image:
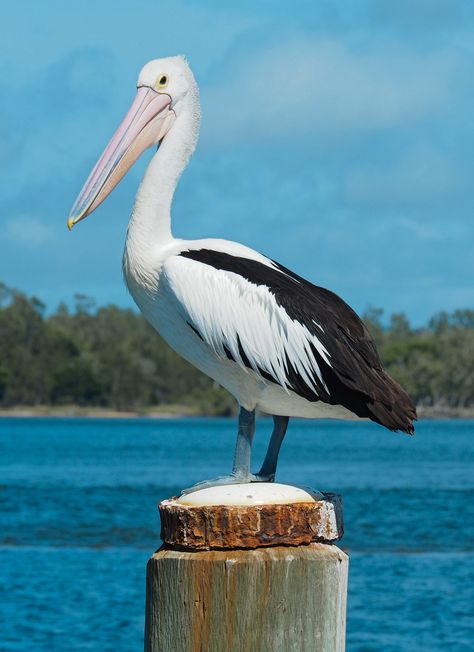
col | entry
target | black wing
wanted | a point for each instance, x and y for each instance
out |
(354, 376)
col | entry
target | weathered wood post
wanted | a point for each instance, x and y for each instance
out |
(248, 576)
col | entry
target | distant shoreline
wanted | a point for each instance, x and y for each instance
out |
(21, 412)
(445, 413)
(176, 412)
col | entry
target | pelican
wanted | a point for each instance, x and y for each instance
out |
(278, 343)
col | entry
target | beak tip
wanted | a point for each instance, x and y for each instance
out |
(70, 223)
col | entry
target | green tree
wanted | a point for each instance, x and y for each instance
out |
(112, 357)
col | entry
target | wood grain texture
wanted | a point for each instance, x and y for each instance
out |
(275, 599)
(255, 526)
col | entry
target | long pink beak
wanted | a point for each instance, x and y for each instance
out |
(146, 123)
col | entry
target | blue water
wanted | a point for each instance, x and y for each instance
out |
(79, 521)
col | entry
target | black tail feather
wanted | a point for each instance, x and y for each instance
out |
(385, 402)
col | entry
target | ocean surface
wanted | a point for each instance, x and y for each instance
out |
(78, 521)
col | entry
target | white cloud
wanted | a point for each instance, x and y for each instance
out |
(326, 87)
(28, 231)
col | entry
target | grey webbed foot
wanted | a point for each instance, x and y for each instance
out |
(223, 480)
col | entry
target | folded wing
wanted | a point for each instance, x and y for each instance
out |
(288, 331)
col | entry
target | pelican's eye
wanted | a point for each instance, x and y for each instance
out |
(161, 82)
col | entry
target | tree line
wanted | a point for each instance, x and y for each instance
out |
(110, 357)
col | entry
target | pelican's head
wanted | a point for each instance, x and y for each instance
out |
(165, 88)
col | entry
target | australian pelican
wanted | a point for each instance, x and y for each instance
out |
(277, 342)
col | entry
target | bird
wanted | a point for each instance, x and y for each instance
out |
(278, 343)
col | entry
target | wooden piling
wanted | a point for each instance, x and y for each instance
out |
(255, 597)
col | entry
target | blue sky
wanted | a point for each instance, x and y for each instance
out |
(337, 138)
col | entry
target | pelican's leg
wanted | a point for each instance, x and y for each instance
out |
(268, 470)
(243, 448)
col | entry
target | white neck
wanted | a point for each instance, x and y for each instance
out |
(150, 224)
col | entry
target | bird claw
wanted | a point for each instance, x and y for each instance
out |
(264, 477)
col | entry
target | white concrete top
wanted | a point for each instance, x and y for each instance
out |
(253, 493)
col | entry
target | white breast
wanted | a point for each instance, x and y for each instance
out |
(158, 303)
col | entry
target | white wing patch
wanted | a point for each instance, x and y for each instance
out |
(228, 310)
